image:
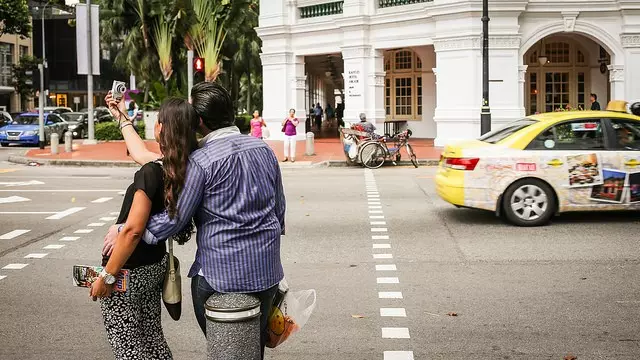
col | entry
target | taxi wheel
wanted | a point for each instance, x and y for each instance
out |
(529, 202)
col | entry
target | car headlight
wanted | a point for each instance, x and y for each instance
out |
(29, 133)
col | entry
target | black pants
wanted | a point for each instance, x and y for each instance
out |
(319, 121)
(201, 290)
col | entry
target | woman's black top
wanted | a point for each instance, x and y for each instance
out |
(150, 179)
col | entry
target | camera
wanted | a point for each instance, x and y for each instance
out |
(118, 89)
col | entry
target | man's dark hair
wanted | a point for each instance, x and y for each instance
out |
(213, 105)
(595, 97)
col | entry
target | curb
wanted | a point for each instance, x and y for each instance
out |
(54, 162)
(130, 164)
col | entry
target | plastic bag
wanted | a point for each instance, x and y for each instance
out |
(265, 133)
(290, 312)
(353, 151)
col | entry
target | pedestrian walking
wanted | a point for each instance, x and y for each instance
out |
(595, 105)
(257, 123)
(132, 319)
(289, 125)
(233, 186)
(318, 114)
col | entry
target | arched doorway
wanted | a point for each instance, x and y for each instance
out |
(562, 72)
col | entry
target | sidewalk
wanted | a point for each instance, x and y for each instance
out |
(114, 153)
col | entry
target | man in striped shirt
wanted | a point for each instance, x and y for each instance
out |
(233, 190)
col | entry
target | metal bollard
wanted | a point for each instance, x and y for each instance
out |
(55, 142)
(68, 141)
(233, 327)
(309, 148)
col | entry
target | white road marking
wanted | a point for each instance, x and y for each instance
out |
(382, 246)
(21, 183)
(13, 199)
(2, 277)
(35, 256)
(374, 203)
(28, 212)
(114, 213)
(388, 280)
(378, 229)
(375, 211)
(378, 223)
(95, 224)
(376, 216)
(101, 200)
(122, 192)
(371, 196)
(382, 256)
(389, 295)
(15, 266)
(393, 312)
(379, 237)
(13, 234)
(110, 218)
(65, 213)
(395, 333)
(386, 267)
(54, 247)
(375, 207)
(70, 238)
(83, 231)
(398, 355)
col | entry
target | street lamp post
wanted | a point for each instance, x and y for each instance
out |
(42, 97)
(485, 114)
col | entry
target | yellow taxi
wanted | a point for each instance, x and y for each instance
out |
(547, 164)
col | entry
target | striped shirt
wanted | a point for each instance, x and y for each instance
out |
(233, 190)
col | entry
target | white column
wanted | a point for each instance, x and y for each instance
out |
(299, 84)
(631, 45)
(522, 82)
(506, 88)
(426, 126)
(375, 99)
(356, 78)
(616, 79)
(274, 12)
(278, 74)
(458, 88)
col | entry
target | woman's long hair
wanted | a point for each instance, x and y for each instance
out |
(177, 141)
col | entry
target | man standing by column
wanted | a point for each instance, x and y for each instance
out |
(595, 105)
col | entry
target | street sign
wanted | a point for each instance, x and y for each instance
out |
(21, 183)
(12, 199)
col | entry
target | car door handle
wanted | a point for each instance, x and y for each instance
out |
(632, 162)
(555, 162)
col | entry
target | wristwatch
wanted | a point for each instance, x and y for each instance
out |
(108, 278)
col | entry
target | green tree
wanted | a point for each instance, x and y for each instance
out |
(15, 18)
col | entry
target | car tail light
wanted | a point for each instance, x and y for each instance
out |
(462, 163)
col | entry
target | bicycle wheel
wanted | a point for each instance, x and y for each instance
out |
(372, 155)
(412, 155)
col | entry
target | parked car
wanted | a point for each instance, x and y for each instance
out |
(5, 118)
(24, 129)
(546, 164)
(77, 123)
(57, 109)
(100, 114)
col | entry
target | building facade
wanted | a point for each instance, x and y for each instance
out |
(418, 63)
(12, 47)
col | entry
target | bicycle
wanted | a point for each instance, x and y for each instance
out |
(375, 152)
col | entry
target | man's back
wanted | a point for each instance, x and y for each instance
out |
(241, 215)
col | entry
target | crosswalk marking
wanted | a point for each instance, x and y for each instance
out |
(65, 213)
(35, 256)
(15, 266)
(12, 234)
(54, 247)
(69, 238)
(2, 277)
(101, 200)
(110, 218)
(95, 224)
(83, 231)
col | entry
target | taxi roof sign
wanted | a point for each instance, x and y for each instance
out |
(617, 106)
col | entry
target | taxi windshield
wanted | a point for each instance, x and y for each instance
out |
(495, 136)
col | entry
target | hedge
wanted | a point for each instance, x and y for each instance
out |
(243, 122)
(111, 131)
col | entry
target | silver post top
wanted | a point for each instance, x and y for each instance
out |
(232, 307)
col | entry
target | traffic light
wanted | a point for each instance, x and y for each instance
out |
(198, 65)
(33, 78)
